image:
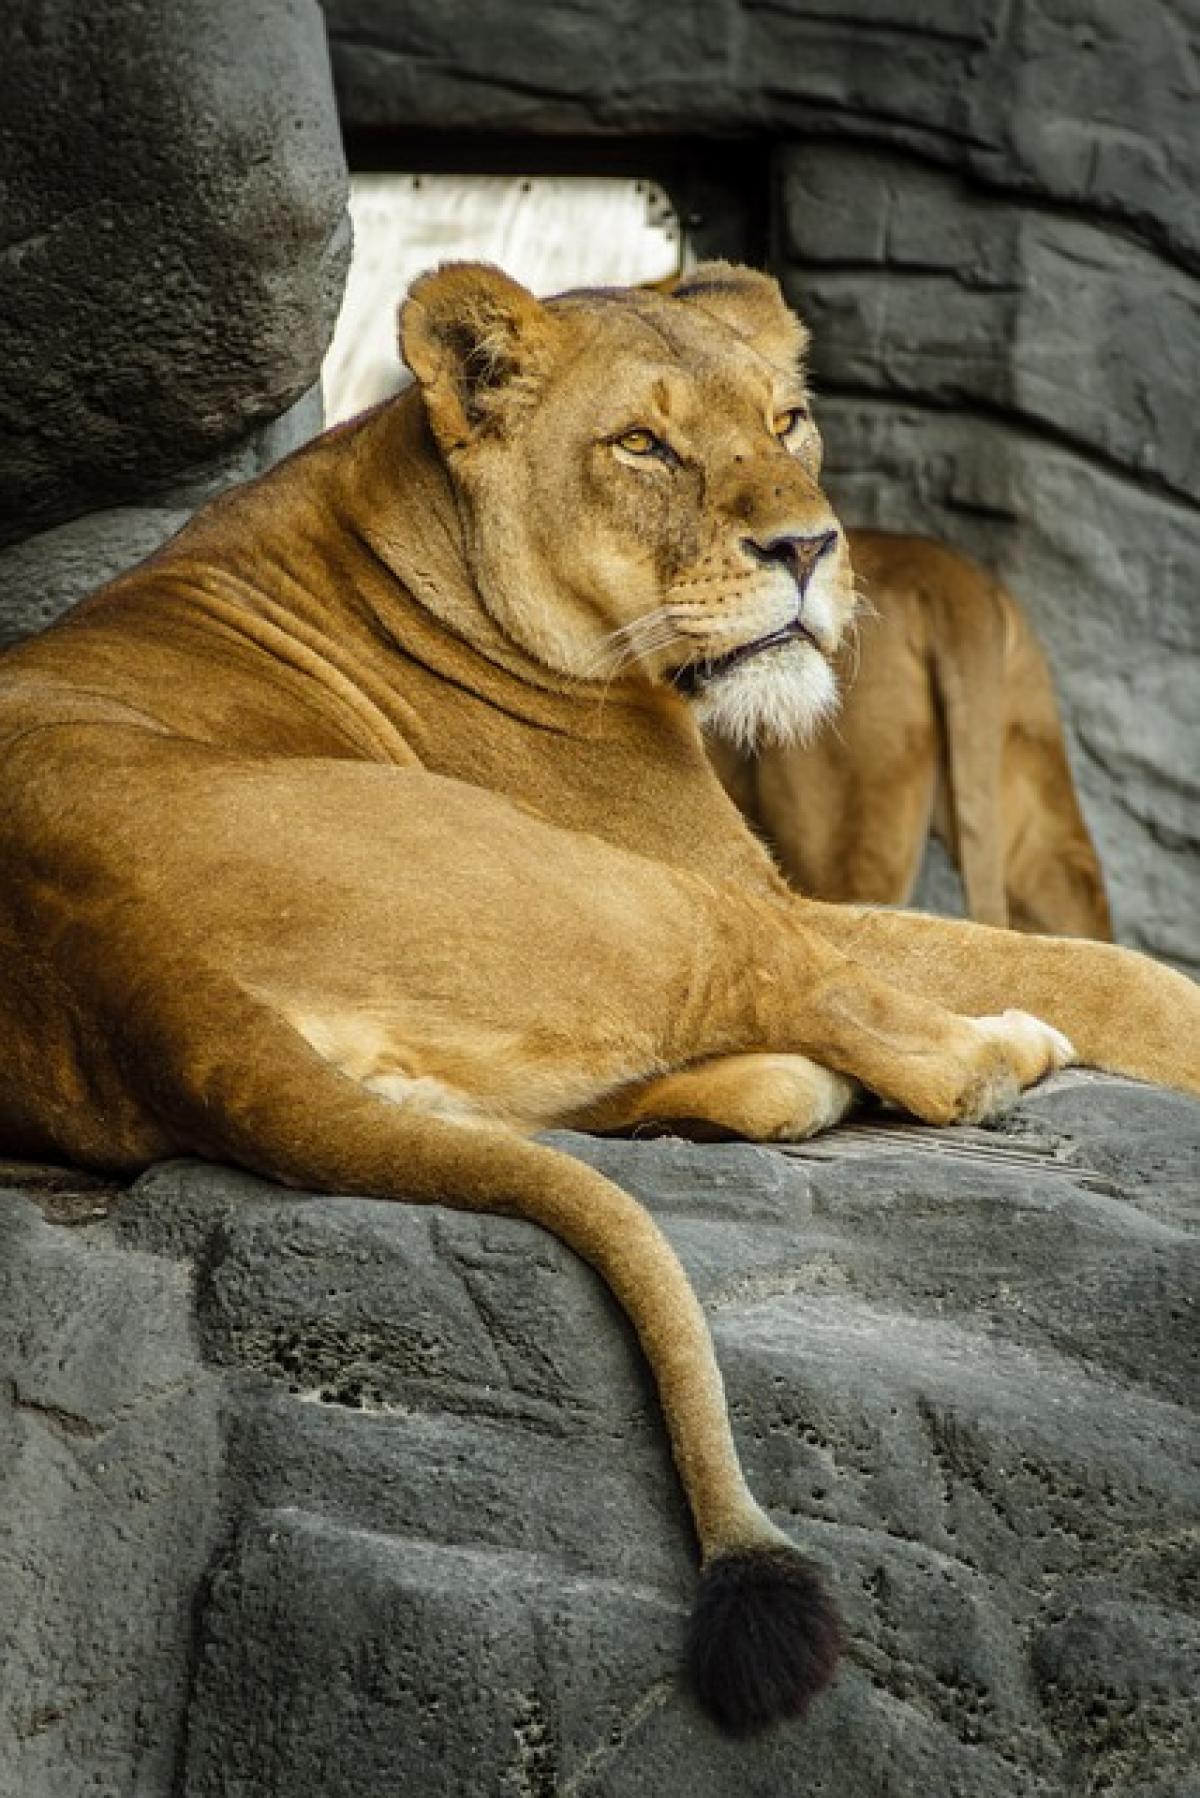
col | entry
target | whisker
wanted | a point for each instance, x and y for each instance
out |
(855, 656)
(641, 637)
(624, 661)
(853, 641)
(662, 640)
(864, 608)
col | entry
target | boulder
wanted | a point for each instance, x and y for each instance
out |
(175, 235)
(319, 1495)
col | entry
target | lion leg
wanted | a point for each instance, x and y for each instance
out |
(1052, 871)
(850, 820)
(763, 1098)
(1123, 1012)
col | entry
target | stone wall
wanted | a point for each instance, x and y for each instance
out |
(987, 213)
(175, 244)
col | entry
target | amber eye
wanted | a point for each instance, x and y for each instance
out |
(784, 423)
(638, 442)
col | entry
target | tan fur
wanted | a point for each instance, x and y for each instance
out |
(379, 772)
(948, 721)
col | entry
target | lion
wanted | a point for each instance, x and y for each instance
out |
(366, 830)
(947, 722)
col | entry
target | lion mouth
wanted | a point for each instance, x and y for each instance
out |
(693, 676)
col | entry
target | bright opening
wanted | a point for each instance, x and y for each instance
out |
(550, 232)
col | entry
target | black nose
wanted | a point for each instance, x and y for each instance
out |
(799, 555)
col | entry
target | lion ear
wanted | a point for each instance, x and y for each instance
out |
(480, 346)
(750, 303)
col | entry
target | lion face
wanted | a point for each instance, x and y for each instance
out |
(638, 478)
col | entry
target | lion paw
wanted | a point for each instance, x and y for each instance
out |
(1023, 1050)
(795, 1098)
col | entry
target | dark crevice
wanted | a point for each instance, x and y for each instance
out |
(227, 1522)
(65, 1423)
(819, 107)
(720, 186)
(859, 26)
(885, 267)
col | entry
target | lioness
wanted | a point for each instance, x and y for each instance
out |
(947, 722)
(366, 829)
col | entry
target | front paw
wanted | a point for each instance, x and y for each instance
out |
(1011, 1051)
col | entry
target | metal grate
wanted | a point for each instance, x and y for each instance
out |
(884, 1136)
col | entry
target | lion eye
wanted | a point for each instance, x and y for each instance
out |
(638, 442)
(784, 423)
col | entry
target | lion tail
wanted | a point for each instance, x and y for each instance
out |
(765, 1636)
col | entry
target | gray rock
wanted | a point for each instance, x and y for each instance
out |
(43, 576)
(396, 1512)
(111, 1452)
(922, 284)
(175, 241)
(1082, 104)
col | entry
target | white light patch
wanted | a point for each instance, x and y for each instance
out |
(548, 231)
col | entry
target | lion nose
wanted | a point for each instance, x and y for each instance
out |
(799, 555)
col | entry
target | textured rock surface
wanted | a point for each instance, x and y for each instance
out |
(110, 1463)
(43, 576)
(352, 1498)
(1087, 102)
(987, 213)
(174, 240)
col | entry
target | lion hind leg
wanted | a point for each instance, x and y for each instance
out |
(467, 1074)
(361, 1047)
(761, 1097)
(765, 1636)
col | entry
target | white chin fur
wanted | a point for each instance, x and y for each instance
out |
(781, 696)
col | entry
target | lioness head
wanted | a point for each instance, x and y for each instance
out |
(637, 474)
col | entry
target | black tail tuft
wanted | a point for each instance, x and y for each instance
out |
(764, 1640)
